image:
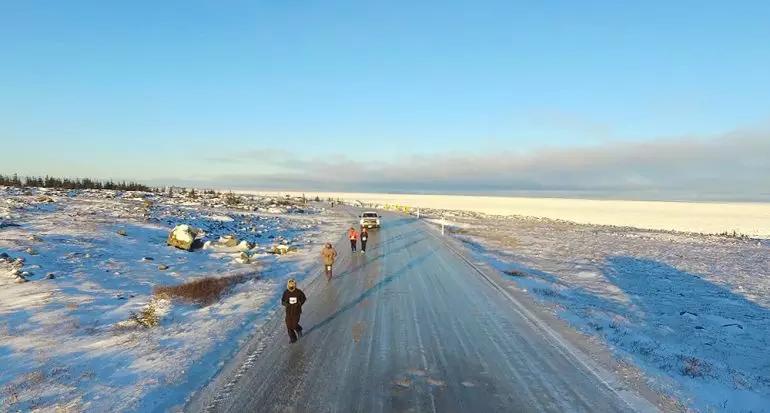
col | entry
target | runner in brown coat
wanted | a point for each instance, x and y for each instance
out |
(329, 254)
(293, 299)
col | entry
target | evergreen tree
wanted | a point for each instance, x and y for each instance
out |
(68, 183)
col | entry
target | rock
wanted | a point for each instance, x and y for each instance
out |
(50, 276)
(228, 241)
(44, 198)
(182, 237)
(245, 245)
(122, 232)
(19, 279)
(148, 259)
(31, 251)
(281, 249)
(34, 238)
(243, 258)
(4, 257)
(163, 267)
(20, 260)
(148, 204)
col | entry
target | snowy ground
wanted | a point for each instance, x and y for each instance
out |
(692, 311)
(750, 218)
(64, 339)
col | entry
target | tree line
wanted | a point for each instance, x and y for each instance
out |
(67, 183)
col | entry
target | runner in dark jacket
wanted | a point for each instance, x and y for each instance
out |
(293, 299)
(364, 238)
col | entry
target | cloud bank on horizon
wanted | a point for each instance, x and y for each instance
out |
(732, 166)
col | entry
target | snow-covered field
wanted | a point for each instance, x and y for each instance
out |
(752, 219)
(72, 272)
(692, 311)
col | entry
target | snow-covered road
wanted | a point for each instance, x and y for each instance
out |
(414, 325)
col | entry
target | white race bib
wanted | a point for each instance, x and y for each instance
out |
(292, 300)
(364, 238)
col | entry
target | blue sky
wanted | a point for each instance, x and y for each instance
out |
(262, 93)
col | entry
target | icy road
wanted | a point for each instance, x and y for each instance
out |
(412, 326)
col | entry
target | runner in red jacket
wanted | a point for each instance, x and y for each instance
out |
(353, 237)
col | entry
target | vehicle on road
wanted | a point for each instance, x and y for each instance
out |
(370, 219)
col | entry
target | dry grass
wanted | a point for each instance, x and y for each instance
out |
(204, 291)
(146, 317)
(694, 367)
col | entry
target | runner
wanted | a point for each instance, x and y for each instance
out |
(353, 237)
(293, 299)
(364, 237)
(329, 254)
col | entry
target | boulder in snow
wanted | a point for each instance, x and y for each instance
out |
(31, 251)
(45, 199)
(243, 258)
(122, 232)
(245, 245)
(282, 249)
(228, 241)
(163, 267)
(182, 237)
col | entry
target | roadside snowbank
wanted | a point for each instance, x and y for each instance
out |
(65, 341)
(692, 311)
